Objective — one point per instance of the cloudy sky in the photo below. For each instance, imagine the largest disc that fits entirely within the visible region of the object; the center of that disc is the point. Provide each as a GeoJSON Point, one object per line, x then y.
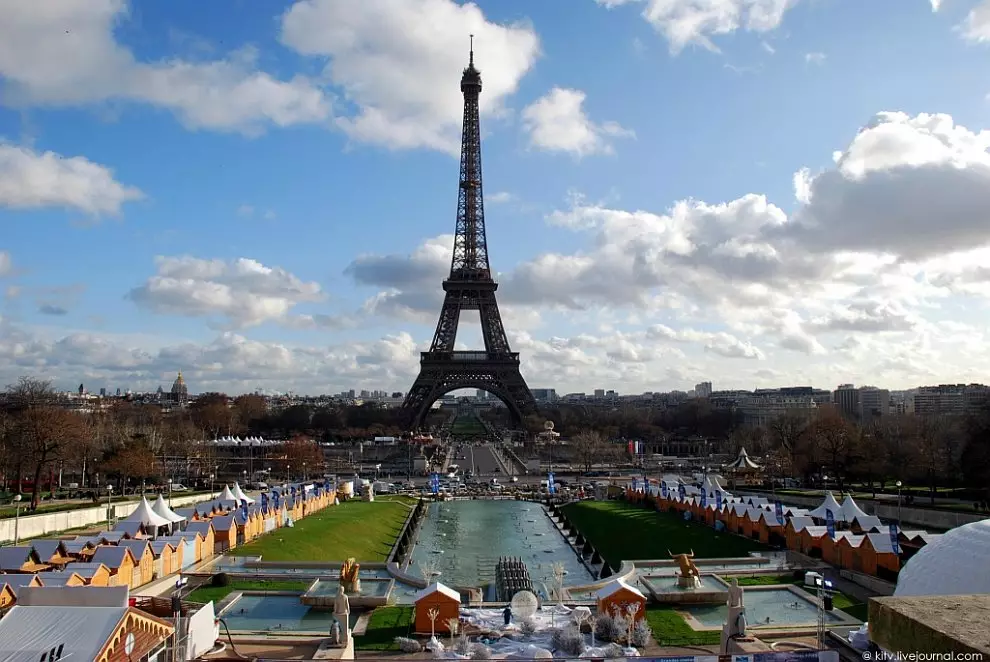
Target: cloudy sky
{"type": "Point", "coordinates": [262, 194]}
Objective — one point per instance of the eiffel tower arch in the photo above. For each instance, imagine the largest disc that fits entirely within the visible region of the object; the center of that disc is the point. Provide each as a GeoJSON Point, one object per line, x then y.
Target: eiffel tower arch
{"type": "Point", "coordinates": [470, 286]}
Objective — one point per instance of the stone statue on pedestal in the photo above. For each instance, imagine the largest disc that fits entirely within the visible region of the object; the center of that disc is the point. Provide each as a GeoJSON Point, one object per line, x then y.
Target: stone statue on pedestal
{"type": "Point", "coordinates": [342, 612]}
{"type": "Point", "coordinates": [369, 492]}
{"type": "Point", "coordinates": [689, 576]}
{"type": "Point", "coordinates": [735, 623]}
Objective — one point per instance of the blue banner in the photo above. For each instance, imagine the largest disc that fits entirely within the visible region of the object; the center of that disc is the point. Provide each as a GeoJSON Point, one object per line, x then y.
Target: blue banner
{"type": "Point", "coordinates": [894, 542]}
{"type": "Point", "coordinates": [264, 501]}
{"type": "Point", "coordinates": [830, 523]}
{"type": "Point", "coordinates": [663, 489]}
{"type": "Point", "coordinates": [635, 485]}
{"type": "Point", "coordinates": [718, 500]}
{"type": "Point", "coordinates": [244, 508]}
{"type": "Point", "coordinates": [550, 484]}
{"type": "Point", "coordinates": [779, 511]}
{"type": "Point", "coordinates": [435, 483]}
{"type": "Point", "coordinates": [704, 498]}
{"type": "Point", "coordinates": [681, 492]}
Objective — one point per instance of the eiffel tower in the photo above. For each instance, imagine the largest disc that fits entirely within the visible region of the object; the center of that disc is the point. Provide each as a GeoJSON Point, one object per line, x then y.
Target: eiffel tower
{"type": "Point", "coordinates": [470, 286]}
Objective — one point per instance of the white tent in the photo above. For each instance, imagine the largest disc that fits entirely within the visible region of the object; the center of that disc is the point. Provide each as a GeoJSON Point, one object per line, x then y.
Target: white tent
{"type": "Point", "coordinates": [240, 496]}
{"type": "Point", "coordinates": [148, 517]}
{"type": "Point", "coordinates": [226, 494]}
{"type": "Point", "coordinates": [850, 511]}
{"type": "Point", "coordinates": [161, 508]}
{"type": "Point", "coordinates": [828, 504]}
{"type": "Point", "coordinates": [742, 462]}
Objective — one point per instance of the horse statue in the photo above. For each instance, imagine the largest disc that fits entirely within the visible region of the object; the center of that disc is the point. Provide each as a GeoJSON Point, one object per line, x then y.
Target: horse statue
{"type": "Point", "coordinates": [349, 575]}
{"type": "Point", "coordinates": [685, 563]}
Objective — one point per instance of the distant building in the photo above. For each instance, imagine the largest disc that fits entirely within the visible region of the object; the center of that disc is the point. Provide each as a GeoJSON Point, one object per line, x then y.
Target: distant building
{"type": "Point", "coordinates": [703, 390]}
{"type": "Point", "coordinates": [846, 400]}
{"type": "Point", "coordinates": [180, 392]}
{"type": "Point", "coordinates": [548, 395]}
{"type": "Point", "coordinates": [873, 402]}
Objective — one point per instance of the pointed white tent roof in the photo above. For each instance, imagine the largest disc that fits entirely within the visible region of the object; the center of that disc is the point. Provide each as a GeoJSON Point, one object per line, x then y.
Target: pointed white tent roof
{"type": "Point", "coordinates": [850, 510]}
{"type": "Point", "coordinates": [742, 461]}
{"type": "Point", "coordinates": [828, 504]}
{"type": "Point", "coordinates": [148, 517]}
{"type": "Point", "coordinates": [240, 496]}
{"type": "Point", "coordinates": [161, 508]}
{"type": "Point", "coordinates": [226, 494]}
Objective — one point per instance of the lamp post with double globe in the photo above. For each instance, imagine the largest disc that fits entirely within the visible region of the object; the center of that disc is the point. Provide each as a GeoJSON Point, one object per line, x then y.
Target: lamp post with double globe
{"type": "Point", "coordinates": [17, 518]}
{"type": "Point", "coordinates": [898, 484]}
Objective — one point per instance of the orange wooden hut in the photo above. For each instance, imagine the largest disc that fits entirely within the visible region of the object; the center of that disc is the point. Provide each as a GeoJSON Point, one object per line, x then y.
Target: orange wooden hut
{"type": "Point", "coordinates": [445, 600]}
{"type": "Point", "coordinates": [618, 597]}
{"type": "Point", "coordinates": [848, 552]}
{"type": "Point", "coordinates": [93, 574]}
{"type": "Point", "coordinates": [168, 558]}
{"type": "Point", "coordinates": [770, 529]}
{"type": "Point", "coordinates": [830, 547]}
{"type": "Point", "coordinates": [792, 531]}
{"type": "Point", "coordinates": [878, 556]}
{"type": "Point", "coordinates": [121, 564]}
{"type": "Point", "coordinates": [206, 544]}
{"type": "Point", "coordinates": [144, 560]}
{"type": "Point", "coordinates": [20, 560]}
{"type": "Point", "coordinates": [811, 540]}
{"type": "Point", "coordinates": [7, 595]}
{"type": "Point", "coordinates": [52, 552]}
{"type": "Point", "coordinates": [56, 579]}
{"type": "Point", "coordinates": [225, 532]}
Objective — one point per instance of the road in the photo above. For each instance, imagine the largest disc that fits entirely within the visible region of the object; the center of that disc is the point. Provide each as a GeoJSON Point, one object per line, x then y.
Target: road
{"type": "Point", "coordinates": [482, 459]}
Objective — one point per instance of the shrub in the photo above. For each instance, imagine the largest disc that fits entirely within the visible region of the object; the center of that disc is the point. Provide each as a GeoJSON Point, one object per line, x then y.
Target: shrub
{"type": "Point", "coordinates": [407, 645]}
{"type": "Point", "coordinates": [481, 652]}
{"type": "Point", "coordinates": [220, 579]}
{"type": "Point", "coordinates": [641, 634]}
{"type": "Point", "coordinates": [568, 641]}
{"type": "Point", "coordinates": [611, 651]}
{"type": "Point", "coordinates": [463, 645]}
{"type": "Point", "coordinates": [527, 626]}
{"type": "Point", "coordinates": [607, 629]}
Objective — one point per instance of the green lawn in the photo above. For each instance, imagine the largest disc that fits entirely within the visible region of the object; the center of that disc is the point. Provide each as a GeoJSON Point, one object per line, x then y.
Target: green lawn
{"type": "Point", "coordinates": [670, 629]}
{"type": "Point", "coordinates": [620, 531]}
{"type": "Point", "coordinates": [365, 531]}
{"type": "Point", "coordinates": [207, 593]}
{"type": "Point", "coordinates": [467, 425]}
{"type": "Point", "coordinates": [385, 625]}
{"type": "Point", "coordinates": [846, 603]}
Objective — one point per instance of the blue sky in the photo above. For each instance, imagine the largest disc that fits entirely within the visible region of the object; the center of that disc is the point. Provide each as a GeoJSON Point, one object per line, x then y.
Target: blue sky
{"type": "Point", "coordinates": [258, 193]}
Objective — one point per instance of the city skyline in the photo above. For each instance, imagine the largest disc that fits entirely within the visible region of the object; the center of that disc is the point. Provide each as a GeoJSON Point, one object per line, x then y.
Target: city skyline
{"type": "Point", "coordinates": [771, 194]}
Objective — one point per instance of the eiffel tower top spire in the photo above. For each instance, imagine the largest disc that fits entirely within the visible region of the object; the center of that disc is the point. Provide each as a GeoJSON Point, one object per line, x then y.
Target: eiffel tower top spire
{"type": "Point", "coordinates": [470, 259]}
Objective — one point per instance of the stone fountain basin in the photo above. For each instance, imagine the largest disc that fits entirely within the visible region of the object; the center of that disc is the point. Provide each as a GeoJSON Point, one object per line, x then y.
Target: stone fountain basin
{"type": "Point", "coordinates": [665, 590]}
{"type": "Point", "coordinates": [322, 593]}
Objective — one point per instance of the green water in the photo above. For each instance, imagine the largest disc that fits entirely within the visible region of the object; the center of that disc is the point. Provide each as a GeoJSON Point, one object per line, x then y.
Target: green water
{"type": "Point", "coordinates": [466, 538]}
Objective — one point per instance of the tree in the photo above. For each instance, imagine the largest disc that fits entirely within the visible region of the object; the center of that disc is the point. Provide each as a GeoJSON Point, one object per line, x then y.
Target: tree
{"type": "Point", "coordinates": [40, 430]}
{"type": "Point", "coordinates": [588, 449]}
{"type": "Point", "coordinates": [303, 455]}
{"type": "Point", "coordinates": [834, 441]}
{"type": "Point", "coordinates": [250, 408]}
{"type": "Point", "coordinates": [787, 432]}
{"type": "Point", "coordinates": [975, 459]}
{"type": "Point", "coordinates": [212, 414]}
{"type": "Point", "coordinates": [135, 460]}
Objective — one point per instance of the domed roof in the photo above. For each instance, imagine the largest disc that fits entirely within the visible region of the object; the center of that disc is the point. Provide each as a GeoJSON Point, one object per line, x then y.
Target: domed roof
{"type": "Point", "coordinates": [953, 564]}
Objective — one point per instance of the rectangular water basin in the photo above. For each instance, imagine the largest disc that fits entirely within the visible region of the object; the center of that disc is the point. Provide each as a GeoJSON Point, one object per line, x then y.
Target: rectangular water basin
{"type": "Point", "coordinates": [323, 592]}
{"type": "Point", "coordinates": [666, 590]}
{"type": "Point", "coordinates": [274, 613]}
{"type": "Point", "coordinates": [252, 567]}
{"type": "Point", "coordinates": [463, 541]}
{"type": "Point", "coordinates": [774, 607]}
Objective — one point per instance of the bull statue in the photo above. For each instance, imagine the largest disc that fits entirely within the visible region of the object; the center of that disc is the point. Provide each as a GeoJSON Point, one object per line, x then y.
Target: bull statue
{"type": "Point", "coordinates": [686, 563]}
{"type": "Point", "coordinates": [349, 576]}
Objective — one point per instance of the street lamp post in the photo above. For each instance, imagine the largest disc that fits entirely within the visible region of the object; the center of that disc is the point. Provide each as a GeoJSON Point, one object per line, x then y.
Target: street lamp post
{"type": "Point", "coordinates": [898, 484]}
{"type": "Point", "coordinates": [304, 472]}
{"type": "Point", "coordinates": [109, 497]}
{"type": "Point", "coordinates": [17, 518]}
{"type": "Point", "coordinates": [212, 478]}
{"type": "Point", "coordinates": [288, 472]}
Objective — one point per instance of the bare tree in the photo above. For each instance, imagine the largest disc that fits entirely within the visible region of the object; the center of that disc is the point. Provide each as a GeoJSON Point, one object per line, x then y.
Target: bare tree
{"type": "Point", "coordinates": [588, 449]}
{"type": "Point", "coordinates": [41, 430]}
{"type": "Point", "coordinates": [834, 439]}
{"type": "Point", "coordinates": [787, 433]}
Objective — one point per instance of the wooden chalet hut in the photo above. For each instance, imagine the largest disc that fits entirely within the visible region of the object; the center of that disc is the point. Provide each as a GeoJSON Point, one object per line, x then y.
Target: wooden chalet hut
{"type": "Point", "coordinates": [21, 559]}
{"type": "Point", "coordinates": [444, 599]}
{"type": "Point", "coordinates": [7, 596]}
{"type": "Point", "coordinates": [167, 558]}
{"type": "Point", "coordinates": [878, 556]}
{"type": "Point", "coordinates": [52, 552]}
{"type": "Point", "coordinates": [80, 549]}
{"type": "Point", "coordinates": [619, 597]}
{"type": "Point", "coordinates": [830, 547]}
{"type": "Point", "coordinates": [848, 547]}
{"type": "Point", "coordinates": [208, 544]}
{"type": "Point", "coordinates": [771, 529]}
{"type": "Point", "coordinates": [94, 574]}
{"type": "Point", "coordinates": [866, 524]}
{"type": "Point", "coordinates": [811, 540]}
{"type": "Point", "coordinates": [63, 578]}
{"type": "Point", "coordinates": [121, 563]}
{"type": "Point", "coordinates": [225, 530]}
{"type": "Point", "coordinates": [792, 531]}
{"type": "Point", "coordinates": [144, 560]}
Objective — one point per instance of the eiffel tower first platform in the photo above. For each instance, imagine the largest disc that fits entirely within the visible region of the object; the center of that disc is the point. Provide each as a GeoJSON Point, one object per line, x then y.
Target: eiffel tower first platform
{"type": "Point", "coordinates": [470, 286]}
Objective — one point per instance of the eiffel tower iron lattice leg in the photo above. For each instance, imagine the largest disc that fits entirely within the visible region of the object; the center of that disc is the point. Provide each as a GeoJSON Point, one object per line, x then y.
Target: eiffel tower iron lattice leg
{"type": "Point", "coordinates": [470, 286]}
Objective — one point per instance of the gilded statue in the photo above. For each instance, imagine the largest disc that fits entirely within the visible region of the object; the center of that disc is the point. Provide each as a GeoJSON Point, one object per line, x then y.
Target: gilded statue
{"type": "Point", "coordinates": [349, 574]}
{"type": "Point", "coordinates": [686, 563]}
